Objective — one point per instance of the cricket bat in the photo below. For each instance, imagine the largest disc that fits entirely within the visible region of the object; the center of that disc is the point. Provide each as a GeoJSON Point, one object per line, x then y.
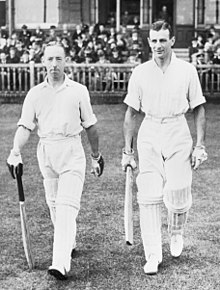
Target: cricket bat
{"type": "Point", "coordinates": [128, 206]}
{"type": "Point", "coordinates": [24, 224]}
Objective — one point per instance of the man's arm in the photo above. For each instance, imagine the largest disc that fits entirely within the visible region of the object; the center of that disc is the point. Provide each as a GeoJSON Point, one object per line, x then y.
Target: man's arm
{"type": "Point", "coordinates": [93, 138]}
{"type": "Point", "coordinates": [97, 159]}
{"type": "Point", "coordinates": [21, 137]}
{"type": "Point", "coordinates": [199, 154]}
{"type": "Point", "coordinates": [129, 128]}
{"type": "Point", "coordinates": [200, 124]}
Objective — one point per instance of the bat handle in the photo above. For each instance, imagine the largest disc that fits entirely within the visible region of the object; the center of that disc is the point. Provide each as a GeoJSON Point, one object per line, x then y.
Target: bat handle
{"type": "Point", "coordinates": [19, 183]}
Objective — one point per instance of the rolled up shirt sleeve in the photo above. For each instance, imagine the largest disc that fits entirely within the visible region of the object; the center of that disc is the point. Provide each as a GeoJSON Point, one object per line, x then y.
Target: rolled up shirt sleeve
{"type": "Point", "coordinates": [28, 119]}
{"type": "Point", "coordinates": [88, 118]}
{"type": "Point", "coordinates": [132, 98]}
{"type": "Point", "coordinates": [195, 95]}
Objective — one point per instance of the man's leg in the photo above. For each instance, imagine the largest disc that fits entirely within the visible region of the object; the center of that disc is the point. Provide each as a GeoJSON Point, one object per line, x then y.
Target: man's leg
{"type": "Point", "coordinates": [177, 193]}
{"type": "Point", "coordinates": [67, 208]}
{"type": "Point", "coordinates": [150, 183]}
{"type": "Point", "coordinates": [51, 187]}
{"type": "Point", "coordinates": [178, 203]}
{"type": "Point", "coordinates": [150, 201]}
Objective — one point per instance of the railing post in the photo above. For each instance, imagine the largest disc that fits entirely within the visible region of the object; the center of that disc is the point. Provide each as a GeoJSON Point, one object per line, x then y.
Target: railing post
{"type": "Point", "coordinates": [32, 80]}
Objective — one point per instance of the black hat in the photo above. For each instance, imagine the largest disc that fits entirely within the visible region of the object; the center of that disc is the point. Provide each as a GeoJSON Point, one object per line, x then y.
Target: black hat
{"type": "Point", "coordinates": [24, 26]}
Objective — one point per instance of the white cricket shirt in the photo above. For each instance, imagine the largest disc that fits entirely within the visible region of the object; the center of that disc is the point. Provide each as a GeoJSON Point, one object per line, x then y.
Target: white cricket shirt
{"type": "Point", "coordinates": [166, 94]}
{"type": "Point", "coordinates": [58, 113]}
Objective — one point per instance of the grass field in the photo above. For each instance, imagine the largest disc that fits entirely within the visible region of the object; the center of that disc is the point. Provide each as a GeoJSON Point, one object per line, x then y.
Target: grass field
{"type": "Point", "coordinates": [103, 261]}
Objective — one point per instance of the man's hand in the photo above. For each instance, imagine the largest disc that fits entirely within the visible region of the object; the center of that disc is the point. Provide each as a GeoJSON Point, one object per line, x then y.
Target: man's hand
{"type": "Point", "coordinates": [199, 155]}
{"type": "Point", "coordinates": [13, 162]}
{"type": "Point", "coordinates": [97, 165]}
{"type": "Point", "coordinates": [128, 160]}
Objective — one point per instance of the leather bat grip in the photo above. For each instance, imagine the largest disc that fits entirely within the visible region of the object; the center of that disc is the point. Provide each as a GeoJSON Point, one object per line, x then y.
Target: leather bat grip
{"type": "Point", "coordinates": [19, 184]}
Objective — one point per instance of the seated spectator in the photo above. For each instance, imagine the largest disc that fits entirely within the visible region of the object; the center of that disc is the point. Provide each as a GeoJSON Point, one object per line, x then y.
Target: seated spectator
{"type": "Point", "coordinates": [25, 57]}
{"type": "Point", "coordinates": [209, 49]}
{"type": "Point", "coordinates": [52, 35]}
{"type": "Point", "coordinates": [3, 43]}
{"type": "Point", "coordinates": [102, 32]}
{"type": "Point", "coordinates": [3, 58]}
{"type": "Point", "coordinates": [125, 33]}
{"type": "Point", "coordinates": [77, 32]}
{"type": "Point", "coordinates": [89, 50]}
{"type": "Point", "coordinates": [216, 58]}
{"type": "Point", "coordinates": [12, 57]}
{"type": "Point", "coordinates": [74, 57]}
{"type": "Point", "coordinates": [37, 54]}
{"type": "Point", "coordinates": [115, 57]}
{"type": "Point", "coordinates": [91, 35]}
{"type": "Point", "coordinates": [38, 35]}
{"type": "Point", "coordinates": [104, 74]}
{"type": "Point", "coordinates": [198, 58]}
{"type": "Point", "coordinates": [215, 35]}
{"type": "Point", "coordinates": [120, 42]}
{"type": "Point", "coordinates": [19, 49]}
{"type": "Point", "coordinates": [4, 72]}
{"type": "Point", "coordinates": [101, 57]}
{"type": "Point", "coordinates": [133, 56]}
{"type": "Point", "coordinates": [134, 39]}
{"type": "Point", "coordinates": [66, 33]}
{"type": "Point", "coordinates": [24, 36]}
{"type": "Point", "coordinates": [15, 38]}
{"type": "Point", "coordinates": [193, 48]}
{"type": "Point", "coordinates": [66, 44]}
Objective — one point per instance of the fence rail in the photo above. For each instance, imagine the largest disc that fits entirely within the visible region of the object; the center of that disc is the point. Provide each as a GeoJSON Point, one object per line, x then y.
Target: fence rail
{"type": "Point", "coordinates": [106, 79]}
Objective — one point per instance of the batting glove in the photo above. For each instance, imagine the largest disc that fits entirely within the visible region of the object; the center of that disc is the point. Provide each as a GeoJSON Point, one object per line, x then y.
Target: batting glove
{"type": "Point", "coordinates": [199, 155]}
{"type": "Point", "coordinates": [128, 160]}
{"type": "Point", "coordinates": [14, 163]}
{"type": "Point", "coordinates": [97, 165]}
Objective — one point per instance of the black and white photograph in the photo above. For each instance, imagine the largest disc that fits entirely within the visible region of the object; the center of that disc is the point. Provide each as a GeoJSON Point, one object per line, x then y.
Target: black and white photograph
{"type": "Point", "coordinates": [110, 145]}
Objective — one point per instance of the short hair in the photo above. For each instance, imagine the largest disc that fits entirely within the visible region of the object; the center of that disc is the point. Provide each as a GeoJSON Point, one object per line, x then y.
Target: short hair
{"type": "Point", "coordinates": [162, 25]}
{"type": "Point", "coordinates": [54, 43]}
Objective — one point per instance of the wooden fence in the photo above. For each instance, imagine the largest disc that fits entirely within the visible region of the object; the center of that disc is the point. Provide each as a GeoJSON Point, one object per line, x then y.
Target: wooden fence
{"type": "Point", "coordinates": [101, 80]}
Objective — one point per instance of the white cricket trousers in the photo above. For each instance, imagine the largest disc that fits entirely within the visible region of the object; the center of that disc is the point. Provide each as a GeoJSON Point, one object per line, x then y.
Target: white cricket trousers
{"type": "Point", "coordinates": [165, 175]}
{"type": "Point", "coordinates": [62, 164]}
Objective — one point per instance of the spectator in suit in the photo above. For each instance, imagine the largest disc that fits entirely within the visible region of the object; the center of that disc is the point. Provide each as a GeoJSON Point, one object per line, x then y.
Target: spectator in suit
{"type": "Point", "coordinates": [52, 35]}
{"type": "Point", "coordinates": [77, 32]}
{"type": "Point", "coordinates": [193, 48]}
{"type": "Point", "coordinates": [216, 58]}
{"type": "Point", "coordinates": [38, 35]}
{"type": "Point", "coordinates": [115, 56]}
{"type": "Point", "coordinates": [3, 58]}
{"type": "Point", "coordinates": [12, 57]}
{"type": "Point", "coordinates": [25, 36]}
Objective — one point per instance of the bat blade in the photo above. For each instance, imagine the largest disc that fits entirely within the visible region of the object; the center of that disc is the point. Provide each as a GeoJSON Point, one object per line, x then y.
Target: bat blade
{"type": "Point", "coordinates": [26, 236]}
{"type": "Point", "coordinates": [128, 207]}
{"type": "Point", "coordinates": [24, 224]}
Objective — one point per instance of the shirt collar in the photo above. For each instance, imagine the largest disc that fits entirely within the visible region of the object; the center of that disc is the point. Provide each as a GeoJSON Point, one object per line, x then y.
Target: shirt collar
{"type": "Point", "coordinates": [66, 83]}
{"type": "Point", "coordinates": [172, 61]}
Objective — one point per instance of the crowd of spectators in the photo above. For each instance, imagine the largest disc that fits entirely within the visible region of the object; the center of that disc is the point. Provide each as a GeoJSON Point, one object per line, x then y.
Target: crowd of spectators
{"type": "Point", "coordinates": [205, 50]}
{"type": "Point", "coordinates": [84, 44]}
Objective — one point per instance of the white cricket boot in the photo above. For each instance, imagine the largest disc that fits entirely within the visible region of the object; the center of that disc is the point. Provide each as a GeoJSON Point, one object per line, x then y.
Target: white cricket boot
{"type": "Point", "coordinates": [151, 267]}
{"type": "Point", "coordinates": [176, 245]}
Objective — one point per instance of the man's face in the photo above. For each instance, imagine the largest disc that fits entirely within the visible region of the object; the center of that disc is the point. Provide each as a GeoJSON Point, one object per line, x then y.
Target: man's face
{"type": "Point", "coordinates": [161, 43]}
{"type": "Point", "coordinates": [54, 61]}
